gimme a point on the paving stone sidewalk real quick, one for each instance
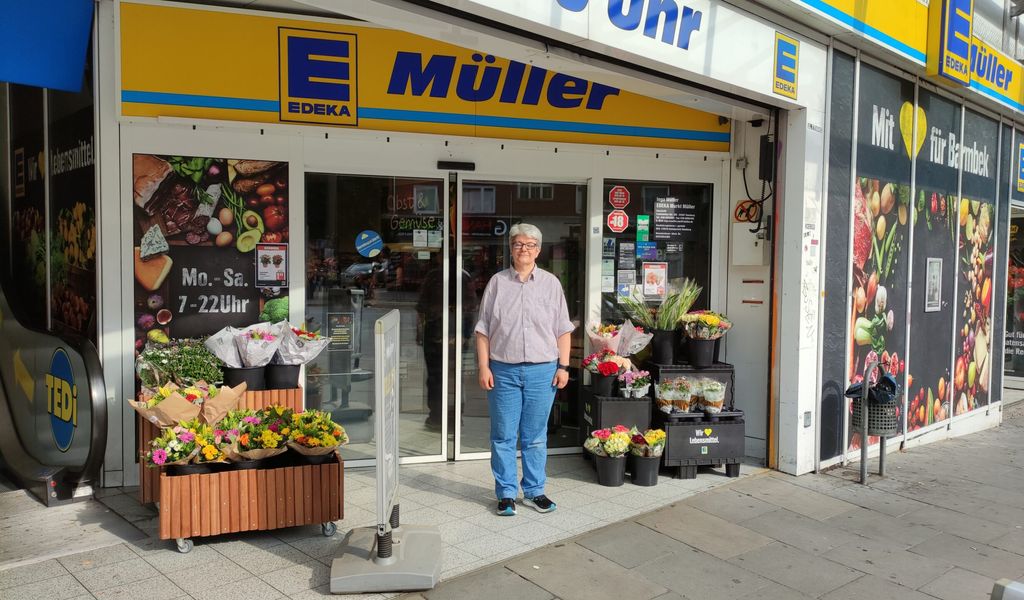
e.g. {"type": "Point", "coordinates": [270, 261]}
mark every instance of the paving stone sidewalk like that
{"type": "Point", "coordinates": [946, 522]}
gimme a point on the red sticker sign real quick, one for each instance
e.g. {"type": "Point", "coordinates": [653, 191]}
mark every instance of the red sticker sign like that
{"type": "Point", "coordinates": [618, 221]}
{"type": "Point", "coordinates": [618, 197]}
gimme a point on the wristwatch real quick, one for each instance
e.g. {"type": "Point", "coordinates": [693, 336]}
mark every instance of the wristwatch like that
{"type": "Point", "coordinates": [564, 368]}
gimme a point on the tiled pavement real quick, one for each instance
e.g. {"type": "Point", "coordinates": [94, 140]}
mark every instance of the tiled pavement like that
{"type": "Point", "coordinates": [945, 523]}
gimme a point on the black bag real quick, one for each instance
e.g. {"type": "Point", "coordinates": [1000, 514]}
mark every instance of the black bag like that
{"type": "Point", "coordinates": [885, 391]}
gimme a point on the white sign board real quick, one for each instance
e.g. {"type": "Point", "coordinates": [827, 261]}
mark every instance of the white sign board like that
{"type": "Point", "coordinates": [386, 344]}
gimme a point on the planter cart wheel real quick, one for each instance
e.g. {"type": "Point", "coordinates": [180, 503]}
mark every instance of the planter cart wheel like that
{"type": "Point", "coordinates": [184, 545]}
{"type": "Point", "coordinates": [329, 528]}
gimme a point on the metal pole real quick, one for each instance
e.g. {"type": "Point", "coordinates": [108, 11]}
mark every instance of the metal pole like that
{"type": "Point", "coordinates": [868, 370]}
{"type": "Point", "coordinates": [881, 456]}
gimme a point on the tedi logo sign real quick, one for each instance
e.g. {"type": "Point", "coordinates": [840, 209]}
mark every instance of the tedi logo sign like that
{"type": "Point", "coordinates": [62, 400]}
{"type": "Point", "coordinates": [680, 21]}
{"type": "Point", "coordinates": [317, 76]}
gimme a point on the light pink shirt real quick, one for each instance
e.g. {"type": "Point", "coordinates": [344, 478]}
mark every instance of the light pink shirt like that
{"type": "Point", "coordinates": [524, 319]}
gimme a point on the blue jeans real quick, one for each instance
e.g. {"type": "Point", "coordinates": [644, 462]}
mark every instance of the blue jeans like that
{"type": "Point", "coordinates": [520, 404]}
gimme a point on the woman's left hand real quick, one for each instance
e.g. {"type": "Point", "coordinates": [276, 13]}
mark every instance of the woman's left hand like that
{"type": "Point", "coordinates": [561, 378]}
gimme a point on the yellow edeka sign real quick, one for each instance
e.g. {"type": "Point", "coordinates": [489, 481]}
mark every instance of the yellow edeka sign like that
{"type": "Point", "coordinates": [787, 65]}
{"type": "Point", "coordinates": [248, 67]}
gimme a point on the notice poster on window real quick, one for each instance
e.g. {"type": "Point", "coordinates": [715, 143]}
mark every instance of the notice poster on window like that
{"type": "Point", "coordinates": [627, 255]}
{"type": "Point", "coordinates": [339, 330]}
{"type": "Point", "coordinates": [655, 282]}
{"type": "Point", "coordinates": [198, 222]}
{"type": "Point", "coordinates": [272, 265]}
{"type": "Point", "coordinates": [674, 220]}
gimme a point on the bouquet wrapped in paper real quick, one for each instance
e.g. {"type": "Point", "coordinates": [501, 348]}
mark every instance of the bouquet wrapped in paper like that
{"type": "Point", "coordinates": [650, 443]}
{"type": "Point", "coordinates": [174, 446]}
{"type": "Point", "coordinates": [258, 343]}
{"type": "Point", "coordinates": [253, 439]}
{"type": "Point", "coordinates": [624, 340]}
{"type": "Point", "coordinates": [611, 442]}
{"type": "Point", "coordinates": [168, 405]}
{"type": "Point", "coordinates": [211, 444]}
{"type": "Point", "coordinates": [314, 433]}
{"type": "Point", "coordinates": [299, 346]}
{"type": "Point", "coordinates": [221, 401]}
{"type": "Point", "coordinates": [222, 345]}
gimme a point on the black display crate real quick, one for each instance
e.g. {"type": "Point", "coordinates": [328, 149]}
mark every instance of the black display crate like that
{"type": "Point", "coordinates": [702, 439]}
{"type": "Point", "coordinates": [599, 412]}
{"type": "Point", "coordinates": [720, 371]}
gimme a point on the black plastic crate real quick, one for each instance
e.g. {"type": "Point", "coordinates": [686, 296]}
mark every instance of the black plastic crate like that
{"type": "Point", "coordinates": [700, 439]}
{"type": "Point", "coordinates": [598, 412]}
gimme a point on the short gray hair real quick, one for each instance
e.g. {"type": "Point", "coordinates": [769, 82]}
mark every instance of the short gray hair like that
{"type": "Point", "coordinates": [530, 231]}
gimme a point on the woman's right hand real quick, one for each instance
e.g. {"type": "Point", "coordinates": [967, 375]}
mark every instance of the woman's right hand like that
{"type": "Point", "coordinates": [486, 379]}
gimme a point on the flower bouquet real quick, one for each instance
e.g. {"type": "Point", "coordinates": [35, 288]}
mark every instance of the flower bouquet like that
{"type": "Point", "coordinates": [174, 446]}
{"type": "Point", "coordinates": [705, 325]}
{"type": "Point", "coordinates": [211, 443]}
{"type": "Point", "coordinates": [612, 442]}
{"type": "Point", "coordinates": [169, 405]}
{"type": "Point", "coordinates": [254, 439]}
{"type": "Point", "coordinates": [674, 395]}
{"type": "Point", "coordinates": [604, 366]}
{"type": "Point", "coordinates": [712, 395]}
{"type": "Point", "coordinates": [277, 418]}
{"type": "Point", "coordinates": [258, 343]}
{"type": "Point", "coordinates": [650, 443]}
{"type": "Point", "coordinates": [299, 346]}
{"type": "Point", "coordinates": [313, 433]}
{"type": "Point", "coordinates": [624, 340]}
{"type": "Point", "coordinates": [634, 384]}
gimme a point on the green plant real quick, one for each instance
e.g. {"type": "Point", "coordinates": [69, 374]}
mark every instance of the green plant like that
{"type": "Point", "coordinates": [677, 303]}
{"type": "Point", "coordinates": [182, 361]}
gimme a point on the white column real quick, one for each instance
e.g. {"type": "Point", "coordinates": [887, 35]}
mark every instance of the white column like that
{"type": "Point", "coordinates": [797, 264]}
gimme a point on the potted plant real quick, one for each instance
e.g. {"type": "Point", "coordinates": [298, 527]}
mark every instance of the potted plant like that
{"type": "Point", "coordinates": [609, 447]}
{"type": "Point", "coordinates": [604, 366]}
{"type": "Point", "coordinates": [703, 329]}
{"type": "Point", "coordinates": [674, 395]}
{"type": "Point", "coordinates": [662, 320]}
{"type": "Point", "coordinates": [712, 396]}
{"type": "Point", "coordinates": [645, 450]}
{"type": "Point", "coordinates": [315, 436]}
{"type": "Point", "coordinates": [634, 384]}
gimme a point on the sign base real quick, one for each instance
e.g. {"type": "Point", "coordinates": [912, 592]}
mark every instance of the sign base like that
{"type": "Point", "coordinates": [415, 563]}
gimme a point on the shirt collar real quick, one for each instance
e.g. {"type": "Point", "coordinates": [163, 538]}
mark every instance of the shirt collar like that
{"type": "Point", "coordinates": [514, 276]}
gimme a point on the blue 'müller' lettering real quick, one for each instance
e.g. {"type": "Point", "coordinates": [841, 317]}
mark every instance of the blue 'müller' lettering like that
{"type": "Point", "coordinates": [410, 73]}
{"type": "Point", "coordinates": [330, 68]}
{"type": "Point", "coordinates": [466, 87]}
{"type": "Point", "coordinates": [410, 76]}
{"type": "Point", "coordinates": [987, 66]}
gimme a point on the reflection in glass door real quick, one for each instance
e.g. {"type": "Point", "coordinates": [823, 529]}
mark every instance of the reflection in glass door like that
{"type": "Point", "coordinates": [1014, 353]}
{"type": "Point", "coordinates": [488, 210]}
{"type": "Point", "coordinates": [376, 244]}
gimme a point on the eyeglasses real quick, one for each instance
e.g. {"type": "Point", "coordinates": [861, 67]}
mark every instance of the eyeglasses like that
{"type": "Point", "coordinates": [528, 246]}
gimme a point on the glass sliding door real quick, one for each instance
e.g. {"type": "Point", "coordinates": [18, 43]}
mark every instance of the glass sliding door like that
{"type": "Point", "coordinates": [376, 244]}
{"type": "Point", "coordinates": [488, 210]}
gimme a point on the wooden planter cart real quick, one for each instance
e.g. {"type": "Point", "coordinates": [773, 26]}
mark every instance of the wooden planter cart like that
{"type": "Point", "coordinates": [206, 504]}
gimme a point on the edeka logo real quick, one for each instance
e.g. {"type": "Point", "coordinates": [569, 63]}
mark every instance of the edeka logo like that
{"type": "Point", "coordinates": [679, 24]}
{"type": "Point", "coordinates": [955, 45]}
{"type": "Point", "coordinates": [787, 63]}
{"type": "Point", "coordinates": [317, 76]}
{"type": "Point", "coordinates": [62, 400]}
{"type": "Point", "coordinates": [1020, 167]}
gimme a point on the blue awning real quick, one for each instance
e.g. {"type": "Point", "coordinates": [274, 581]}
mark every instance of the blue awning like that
{"type": "Point", "coordinates": [43, 43]}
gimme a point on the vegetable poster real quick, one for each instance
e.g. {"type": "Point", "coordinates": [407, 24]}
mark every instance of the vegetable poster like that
{"type": "Point", "coordinates": [934, 218]}
{"type": "Point", "coordinates": [73, 221]}
{"type": "Point", "coordinates": [198, 222]}
{"type": "Point", "coordinates": [976, 217]}
{"type": "Point", "coordinates": [881, 226]}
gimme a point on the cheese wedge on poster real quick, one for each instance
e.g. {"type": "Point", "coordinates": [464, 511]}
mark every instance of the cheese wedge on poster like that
{"type": "Point", "coordinates": [151, 273]}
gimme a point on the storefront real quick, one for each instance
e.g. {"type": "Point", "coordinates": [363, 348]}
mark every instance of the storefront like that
{"type": "Point", "coordinates": [335, 170]}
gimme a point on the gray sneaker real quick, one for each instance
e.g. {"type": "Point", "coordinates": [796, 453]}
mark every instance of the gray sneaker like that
{"type": "Point", "coordinates": [542, 503]}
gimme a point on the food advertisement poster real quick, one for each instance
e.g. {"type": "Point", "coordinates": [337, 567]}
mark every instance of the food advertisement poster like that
{"type": "Point", "coordinates": [881, 227]}
{"type": "Point", "coordinates": [28, 204]}
{"type": "Point", "coordinates": [72, 221]}
{"type": "Point", "coordinates": [271, 265]}
{"type": "Point", "coordinates": [1015, 300]}
{"type": "Point", "coordinates": [934, 265]}
{"type": "Point", "coordinates": [973, 304]}
{"type": "Point", "coordinates": [198, 222]}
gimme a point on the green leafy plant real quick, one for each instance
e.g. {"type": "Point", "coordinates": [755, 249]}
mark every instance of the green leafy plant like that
{"type": "Point", "coordinates": [666, 316]}
{"type": "Point", "coordinates": [182, 361]}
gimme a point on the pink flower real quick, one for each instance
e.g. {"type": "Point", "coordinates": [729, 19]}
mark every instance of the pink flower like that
{"type": "Point", "coordinates": [274, 428]}
{"type": "Point", "coordinates": [159, 456]}
{"type": "Point", "coordinates": [233, 433]}
{"type": "Point", "coordinates": [186, 436]}
{"type": "Point", "coordinates": [620, 429]}
{"type": "Point", "coordinates": [252, 420]}
{"type": "Point", "coordinates": [602, 434]}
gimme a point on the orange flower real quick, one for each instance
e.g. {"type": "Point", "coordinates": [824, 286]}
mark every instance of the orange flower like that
{"type": "Point", "coordinates": [244, 439]}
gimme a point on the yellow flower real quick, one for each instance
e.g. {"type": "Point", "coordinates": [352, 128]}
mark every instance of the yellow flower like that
{"type": "Point", "coordinates": [286, 431]}
{"type": "Point", "coordinates": [280, 411]}
{"type": "Point", "coordinates": [164, 391]}
{"type": "Point", "coordinates": [269, 439]}
{"type": "Point", "coordinates": [210, 452]}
